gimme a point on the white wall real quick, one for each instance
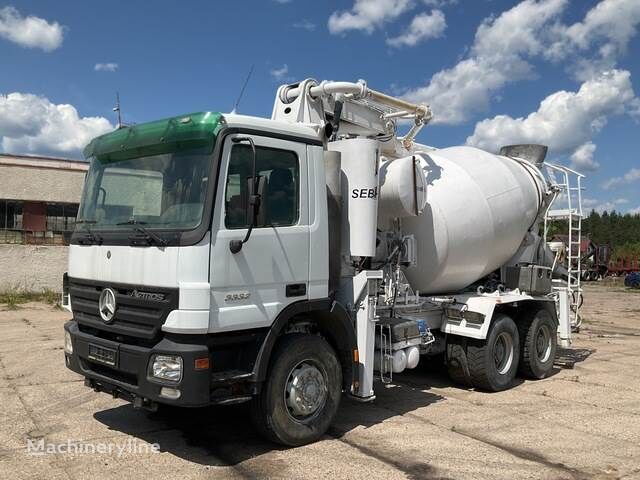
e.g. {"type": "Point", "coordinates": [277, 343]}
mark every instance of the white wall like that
{"type": "Point", "coordinates": [32, 267]}
{"type": "Point", "coordinates": [39, 184]}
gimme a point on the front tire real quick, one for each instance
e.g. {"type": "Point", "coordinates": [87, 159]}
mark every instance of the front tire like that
{"type": "Point", "coordinates": [301, 395]}
{"type": "Point", "coordinates": [493, 362]}
{"type": "Point", "coordinates": [538, 348]}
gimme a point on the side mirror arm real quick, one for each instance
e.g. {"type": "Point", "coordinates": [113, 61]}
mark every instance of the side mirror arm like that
{"type": "Point", "coordinates": [236, 245]}
{"type": "Point", "coordinates": [254, 198]}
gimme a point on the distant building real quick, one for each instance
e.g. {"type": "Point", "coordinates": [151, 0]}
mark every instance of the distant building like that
{"type": "Point", "coordinates": [39, 199]}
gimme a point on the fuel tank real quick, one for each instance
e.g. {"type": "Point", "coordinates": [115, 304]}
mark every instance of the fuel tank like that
{"type": "Point", "coordinates": [479, 208]}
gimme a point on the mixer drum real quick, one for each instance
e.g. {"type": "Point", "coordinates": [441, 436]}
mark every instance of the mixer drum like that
{"type": "Point", "coordinates": [479, 208]}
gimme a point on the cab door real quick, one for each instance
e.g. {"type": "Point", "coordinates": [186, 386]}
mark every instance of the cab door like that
{"type": "Point", "coordinates": [250, 288]}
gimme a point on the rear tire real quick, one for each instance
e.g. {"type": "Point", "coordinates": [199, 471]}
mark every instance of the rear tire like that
{"type": "Point", "coordinates": [301, 395]}
{"type": "Point", "coordinates": [457, 364]}
{"type": "Point", "coordinates": [538, 334]}
{"type": "Point", "coordinates": [493, 362]}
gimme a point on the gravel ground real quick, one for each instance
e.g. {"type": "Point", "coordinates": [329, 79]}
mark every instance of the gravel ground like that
{"type": "Point", "coordinates": [582, 422]}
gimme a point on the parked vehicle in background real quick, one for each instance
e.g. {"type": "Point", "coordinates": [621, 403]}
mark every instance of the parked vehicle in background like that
{"type": "Point", "coordinates": [632, 280]}
{"type": "Point", "coordinates": [594, 258]}
{"type": "Point", "coordinates": [623, 265]}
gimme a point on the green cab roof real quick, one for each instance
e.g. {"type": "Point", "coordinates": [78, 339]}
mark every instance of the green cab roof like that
{"type": "Point", "coordinates": [193, 130]}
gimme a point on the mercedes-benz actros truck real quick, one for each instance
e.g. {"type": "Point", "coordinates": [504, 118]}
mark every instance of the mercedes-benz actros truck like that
{"type": "Point", "coordinates": [291, 261]}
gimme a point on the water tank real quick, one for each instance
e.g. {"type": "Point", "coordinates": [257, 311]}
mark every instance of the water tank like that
{"type": "Point", "coordinates": [479, 208]}
{"type": "Point", "coordinates": [359, 185]}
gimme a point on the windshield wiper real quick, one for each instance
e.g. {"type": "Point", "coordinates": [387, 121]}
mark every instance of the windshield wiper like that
{"type": "Point", "coordinates": [90, 237]}
{"type": "Point", "coordinates": [148, 234]}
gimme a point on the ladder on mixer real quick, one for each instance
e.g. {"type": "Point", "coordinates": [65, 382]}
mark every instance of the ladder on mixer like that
{"type": "Point", "coordinates": [573, 215]}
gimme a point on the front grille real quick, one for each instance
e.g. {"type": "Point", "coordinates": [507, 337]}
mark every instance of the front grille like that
{"type": "Point", "coordinates": [139, 317]}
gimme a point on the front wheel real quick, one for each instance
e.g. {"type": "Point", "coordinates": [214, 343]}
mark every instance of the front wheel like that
{"type": "Point", "coordinates": [301, 395]}
{"type": "Point", "coordinates": [493, 362]}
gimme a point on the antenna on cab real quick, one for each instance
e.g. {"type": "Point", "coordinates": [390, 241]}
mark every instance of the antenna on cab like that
{"type": "Point", "coordinates": [244, 85]}
{"type": "Point", "coordinates": [117, 109]}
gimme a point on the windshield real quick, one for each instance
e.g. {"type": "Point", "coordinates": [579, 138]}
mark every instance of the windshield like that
{"type": "Point", "coordinates": [164, 191]}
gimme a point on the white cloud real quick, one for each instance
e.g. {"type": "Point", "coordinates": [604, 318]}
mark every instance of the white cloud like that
{"type": "Point", "coordinates": [608, 27]}
{"type": "Point", "coordinates": [504, 44]}
{"type": "Point", "coordinates": [105, 67]}
{"type": "Point", "coordinates": [422, 27]}
{"type": "Point", "coordinates": [32, 124]}
{"type": "Point", "coordinates": [604, 207]}
{"type": "Point", "coordinates": [367, 15]}
{"type": "Point", "coordinates": [608, 205]}
{"type": "Point", "coordinates": [497, 57]}
{"type": "Point", "coordinates": [439, 3]}
{"type": "Point", "coordinates": [305, 25]}
{"type": "Point", "coordinates": [30, 31]}
{"type": "Point", "coordinates": [634, 211]}
{"type": "Point", "coordinates": [582, 158]}
{"type": "Point", "coordinates": [633, 175]}
{"type": "Point", "coordinates": [564, 120]}
{"type": "Point", "coordinates": [634, 108]}
{"type": "Point", "coordinates": [280, 73]}
{"type": "Point", "coordinates": [518, 31]}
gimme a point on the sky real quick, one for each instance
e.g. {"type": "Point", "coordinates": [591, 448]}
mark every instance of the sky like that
{"type": "Point", "coordinates": [562, 73]}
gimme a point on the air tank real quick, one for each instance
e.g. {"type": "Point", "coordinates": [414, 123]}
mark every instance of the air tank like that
{"type": "Point", "coordinates": [479, 208]}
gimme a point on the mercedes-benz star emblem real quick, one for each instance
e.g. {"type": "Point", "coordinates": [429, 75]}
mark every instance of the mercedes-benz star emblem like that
{"type": "Point", "coordinates": [107, 304]}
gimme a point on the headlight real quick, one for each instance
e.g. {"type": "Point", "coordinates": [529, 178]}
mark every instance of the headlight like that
{"type": "Point", "coordinates": [167, 367]}
{"type": "Point", "coordinates": [68, 345]}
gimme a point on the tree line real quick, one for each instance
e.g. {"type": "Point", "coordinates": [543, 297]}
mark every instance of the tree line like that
{"type": "Point", "coordinates": [621, 231]}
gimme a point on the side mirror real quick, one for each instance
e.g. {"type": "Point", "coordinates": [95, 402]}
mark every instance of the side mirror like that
{"type": "Point", "coordinates": [256, 187]}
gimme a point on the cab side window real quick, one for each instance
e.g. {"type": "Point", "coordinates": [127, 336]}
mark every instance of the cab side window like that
{"type": "Point", "coordinates": [279, 171]}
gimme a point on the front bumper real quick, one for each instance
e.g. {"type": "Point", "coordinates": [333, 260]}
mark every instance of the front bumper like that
{"type": "Point", "coordinates": [129, 377]}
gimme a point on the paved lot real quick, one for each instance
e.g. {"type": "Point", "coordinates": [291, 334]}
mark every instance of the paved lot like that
{"type": "Point", "coordinates": [580, 423]}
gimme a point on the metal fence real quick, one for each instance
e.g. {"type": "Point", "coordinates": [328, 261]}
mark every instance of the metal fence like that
{"type": "Point", "coordinates": [30, 237]}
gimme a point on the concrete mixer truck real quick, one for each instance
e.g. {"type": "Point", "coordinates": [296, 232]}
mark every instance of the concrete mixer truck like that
{"type": "Point", "coordinates": [291, 261]}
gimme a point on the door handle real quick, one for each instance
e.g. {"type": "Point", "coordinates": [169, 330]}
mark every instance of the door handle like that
{"type": "Point", "coordinates": [296, 289]}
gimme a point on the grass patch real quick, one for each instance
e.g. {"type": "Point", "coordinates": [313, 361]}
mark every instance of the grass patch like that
{"type": "Point", "coordinates": [14, 297]}
{"type": "Point", "coordinates": [50, 297]}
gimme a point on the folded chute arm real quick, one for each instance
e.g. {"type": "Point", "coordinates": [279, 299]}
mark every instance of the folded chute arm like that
{"type": "Point", "coordinates": [371, 112]}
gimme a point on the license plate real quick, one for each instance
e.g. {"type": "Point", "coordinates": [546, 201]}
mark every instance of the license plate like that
{"type": "Point", "coordinates": [102, 354]}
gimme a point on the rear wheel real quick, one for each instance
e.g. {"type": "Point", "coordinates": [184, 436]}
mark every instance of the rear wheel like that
{"type": "Point", "coordinates": [457, 364]}
{"type": "Point", "coordinates": [538, 345]}
{"type": "Point", "coordinates": [493, 362]}
{"type": "Point", "coordinates": [302, 393]}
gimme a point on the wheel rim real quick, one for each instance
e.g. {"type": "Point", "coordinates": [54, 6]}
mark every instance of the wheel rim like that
{"type": "Point", "coordinates": [305, 392]}
{"type": "Point", "coordinates": [543, 343]}
{"type": "Point", "coordinates": [503, 352]}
